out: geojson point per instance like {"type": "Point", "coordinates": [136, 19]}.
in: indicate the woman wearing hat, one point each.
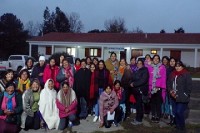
{"type": "Point", "coordinates": [10, 109]}
{"type": "Point", "coordinates": [179, 87]}
{"type": "Point", "coordinates": [38, 70]}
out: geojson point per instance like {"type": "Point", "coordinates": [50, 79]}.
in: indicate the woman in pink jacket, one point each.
{"type": "Point", "coordinates": [66, 103]}
{"type": "Point", "coordinates": [157, 86]}
{"type": "Point", "coordinates": [50, 72]}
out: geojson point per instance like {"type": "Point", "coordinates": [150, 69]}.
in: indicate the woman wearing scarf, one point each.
{"type": "Point", "coordinates": [122, 67]}
{"type": "Point", "coordinates": [66, 73]}
{"type": "Point", "coordinates": [121, 97]}
{"type": "Point", "coordinates": [77, 64]}
{"type": "Point", "coordinates": [50, 72]}
{"type": "Point", "coordinates": [157, 86]}
{"type": "Point", "coordinates": [23, 81]}
{"type": "Point", "coordinates": [179, 86]}
{"type": "Point", "coordinates": [139, 84]}
{"type": "Point", "coordinates": [66, 103]}
{"type": "Point", "coordinates": [8, 77]}
{"type": "Point", "coordinates": [47, 105]}
{"type": "Point", "coordinates": [31, 97]}
{"type": "Point", "coordinates": [108, 104]}
{"type": "Point", "coordinates": [10, 109]}
{"type": "Point", "coordinates": [112, 65]}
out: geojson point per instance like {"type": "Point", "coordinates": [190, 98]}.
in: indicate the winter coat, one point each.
{"type": "Point", "coordinates": [183, 86]}
{"type": "Point", "coordinates": [17, 111]}
{"type": "Point", "coordinates": [140, 81]}
{"type": "Point", "coordinates": [161, 81]}
{"type": "Point", "coordinates": [112, 67]}
{"type": "Point", "coordinates": [37, 69]}
{"type": "Point", "coordinates": [47, 75]}
{"type": "Point", "coordinates": [107, 103]}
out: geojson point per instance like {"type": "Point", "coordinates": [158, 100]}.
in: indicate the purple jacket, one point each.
{"type": "Point", "coordinates": [107, 103]}
{"type": "Point", "coordinates": [160, 81]}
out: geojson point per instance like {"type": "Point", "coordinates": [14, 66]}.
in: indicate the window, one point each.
{"type": "Point", "coordinates": [92, 52]}
{"type": "Point", "coordinates": [71, 51]}
{"type": "Point", "coordinates": [48, 50]}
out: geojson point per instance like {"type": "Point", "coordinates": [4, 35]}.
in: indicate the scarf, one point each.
{"type": "Point", "coordinates": [77, 67]}
{"type": "Point", "coordinates": [9, 103]}
{"type": "Point", "coordinates": [121, 69]}
{"type": "Point", "coordinates": [178, 73]}
{"type": "Point", "coordinates": [65, 98]}
{"type": "Point", "coordinates": [156, 74]}
{"type": "Point", "coordinates": [23, 85]}
{"type": "Point", "coordinates": [133, 67]}
{"type": "Point", "coordinates": [70, 79]}
{"type": "Point", "coordinates": [118, 93]}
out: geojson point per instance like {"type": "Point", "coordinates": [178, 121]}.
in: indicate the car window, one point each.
{"type": "Point", "coordinates": [15, 58]}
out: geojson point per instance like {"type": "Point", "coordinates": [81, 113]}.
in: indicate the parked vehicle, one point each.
{"type": "Point", "coordinates": [15, 62]}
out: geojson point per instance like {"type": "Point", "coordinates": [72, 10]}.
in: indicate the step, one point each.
{"type": "Point", "coordinates": [194, 103]}
{"type": "Point", "coordinates": [193, 115]}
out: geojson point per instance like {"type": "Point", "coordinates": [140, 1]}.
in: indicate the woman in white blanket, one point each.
{"type": "Point", "coordinates": [47, 105]}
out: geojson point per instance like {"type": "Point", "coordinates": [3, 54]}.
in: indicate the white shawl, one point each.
{"type": "Point", "coordinates": [48, 108]}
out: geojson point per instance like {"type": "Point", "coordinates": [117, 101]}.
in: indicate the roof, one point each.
{"type": "Point", "coordinates": [185, 38]}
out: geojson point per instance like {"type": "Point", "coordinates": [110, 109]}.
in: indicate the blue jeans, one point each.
{"type": "Point", "coordinates": [179, 114]}
{"type": "Point", "coordinates": [64, 121]}
{"type": "Point", "coordinates": [166, 106]}
{"type": "Point", "coordinates": [172, 106]}
{"type": "Point", "coordinates": [96, 106]}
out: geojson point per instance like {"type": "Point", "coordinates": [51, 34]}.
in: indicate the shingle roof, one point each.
{"type": "Point", "coordinates": [185, 38]}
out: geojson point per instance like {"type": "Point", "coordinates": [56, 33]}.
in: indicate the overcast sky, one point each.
{"type": "Point", "coordinates": [149, 15]}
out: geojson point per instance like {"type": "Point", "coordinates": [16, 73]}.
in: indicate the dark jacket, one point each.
{"type": "Point", "coordinates": [183, 86]}
{"type": "Point", "coordinates": [37, 69]}
{"type": "Point", "coordinates": [126, 78]}
{"type": "Point", "coordinates": [17, 111]}
{"type": "Point", "coordinates": [82, 83]}
{"type": "Point", "coordinates": [140, 81]}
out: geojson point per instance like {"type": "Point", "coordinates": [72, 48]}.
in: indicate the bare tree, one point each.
{"type": "Point", "coordinates": [33, 28]}
{"type": "Point", "coordinates": [115, 25]}
{"type": "Point", "coordinates": [76, 25]}
{"type": "Point", "coordinates": [137, 30]}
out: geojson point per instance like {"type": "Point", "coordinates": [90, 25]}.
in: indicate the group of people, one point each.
{"type": "Point", "coordinates": [56, 95]}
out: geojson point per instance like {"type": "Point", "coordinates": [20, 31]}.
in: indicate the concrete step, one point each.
{"type": "Point", "coordinates": [195, 86]}
{"type": "Point", "coordinates": [193, 116]}
{"type": "Point", "coordinates": [194, 103]}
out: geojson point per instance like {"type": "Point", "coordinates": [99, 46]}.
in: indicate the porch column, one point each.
{"type": "Point", "coordinates": [52, 49]}
{"type": "Point", "coordinates": [30, 49]}
{"type": "Point", "coordinates": [128, 54]}
{"type": "Point", "coordinates": [195, 57]}
{"type": "Point", "coordinates": [102, 53]}
{"type": "Point", "coordinates": [77, 51]}
{"type": "Point", "coordinates": [161, 52]}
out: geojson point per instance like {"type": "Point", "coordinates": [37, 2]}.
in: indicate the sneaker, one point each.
{"type": "Point", "coordinates": [70, 124]}
{"type": "Point", "coordinates": [115, 124]}
{"type": "Point", "coordinates": [99, 119]}
{"type": "Point", "coordinates": [135, 122]}
{"type": "Point", "coordinates": [95, 119]}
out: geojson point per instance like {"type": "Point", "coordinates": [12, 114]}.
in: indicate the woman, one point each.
{"type": "Point", "coordinates": [157, 86]}
{"type": "Point", "coordinates": [121, 97]}
{"type": "Point", "coordinates": [95, 60]}
{"type": "Point", "coordinates": [108, 104]}
{"type": "Point", "coordinates": [23, 81]}
{"type": "Point", "coordinates": [50, 72]}
{"type": "Point", "coordinates": [112, 65]}
{"type": "Point", "coordinates": [61, 59]}
{"type": "Point", "coordinates": [38, 70]}
{"type": "Point", "coordinates": [139, 84]}
{"type": "Point", "coordinates": [148, 60]}
{"type": "Point", "coordinates": [77, 65]}
{"type": "Point", "coordinates": [66, 73]}
{"type": "Point", "coordinates": [10, 109]}
{"type": "Point", "coordinates": [66, 103]}
{"type": "Point", "coordinates": [172, 101]}
{"type": "Point", "coordinates": [93, 87]}
{"type": "Point", "coordinates": [122, 66]}
{"type": "Point", "coordinates": [8, 77]}
{"type": "Point", "coordinates": [165, 105]}
{"type": "Point", "coordinates": [47, 105]}
{"type": "Point", "coordinates": [31, 98]}
{"type": "Point", "coordinates": [88, 62]}
{"type": "Point", "coordinates": [104, 79]}
{"type": "Point", "coordinates": [179, 86]}
{"type": "Point", "coordinates": [29, 65]}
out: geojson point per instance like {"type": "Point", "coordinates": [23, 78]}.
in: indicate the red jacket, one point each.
{"type": "Point", "coordinates": [48, 75]}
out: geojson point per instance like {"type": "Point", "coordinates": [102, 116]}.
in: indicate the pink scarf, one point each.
{"type": "Point", "coordinates": [70, 79]}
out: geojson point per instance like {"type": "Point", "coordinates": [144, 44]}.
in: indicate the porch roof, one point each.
{"type": "Point", "coordinates": [165, 38]}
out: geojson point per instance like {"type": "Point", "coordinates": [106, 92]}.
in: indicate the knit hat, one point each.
{"type": "Point", "coordinates": [42, 58]}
